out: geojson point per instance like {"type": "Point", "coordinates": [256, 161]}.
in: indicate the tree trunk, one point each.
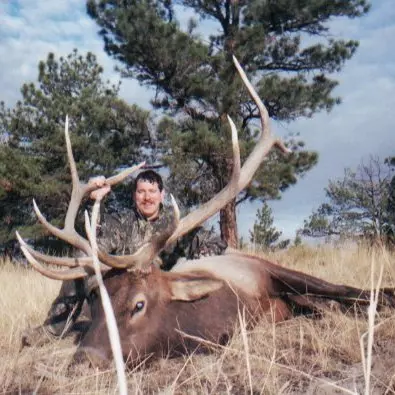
{"type": "Point", "coordinates": [228, 224]}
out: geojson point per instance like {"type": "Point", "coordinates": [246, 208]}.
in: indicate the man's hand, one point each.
{"type": "Point", "coordinates": [101, 188]}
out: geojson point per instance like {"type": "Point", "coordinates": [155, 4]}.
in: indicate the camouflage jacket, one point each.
{"type": "Point", "coordinates": [124, 232]}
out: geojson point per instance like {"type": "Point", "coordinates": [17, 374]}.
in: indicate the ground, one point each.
{"type": "Point", "coordinates": [299, 356]}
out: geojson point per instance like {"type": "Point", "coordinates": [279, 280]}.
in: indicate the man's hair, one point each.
{"type": "Point", "coordinates": [150, 176]}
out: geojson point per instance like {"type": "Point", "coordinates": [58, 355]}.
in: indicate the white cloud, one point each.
{"type": "Point", "coordinates": [32, 29]}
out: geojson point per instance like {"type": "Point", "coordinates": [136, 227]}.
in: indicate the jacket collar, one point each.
{"type": "Point", "coordinates": [141, 216]}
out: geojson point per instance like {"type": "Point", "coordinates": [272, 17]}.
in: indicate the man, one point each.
{"type": "Point", "coordinates": [123, 233]}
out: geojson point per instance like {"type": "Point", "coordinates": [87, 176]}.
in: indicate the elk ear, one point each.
{"type": "Point", "coordinates": [190, 288]}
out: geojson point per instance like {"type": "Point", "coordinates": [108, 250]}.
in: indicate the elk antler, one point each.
{"type": "Point", "coordinates": [81, 267]}
{"type": "Point", "coordinates": [261, 149]}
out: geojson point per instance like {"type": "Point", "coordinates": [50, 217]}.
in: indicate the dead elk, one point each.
{"type": "Point", "coordinates": [168, 313]}
{"type": "Point", "coordinates": [165, 314]}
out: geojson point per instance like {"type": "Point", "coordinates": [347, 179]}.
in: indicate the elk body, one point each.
{"type": "Point", "coordinates": [169, 313]}
{"type": "Point", "coordinates": [165, 314]}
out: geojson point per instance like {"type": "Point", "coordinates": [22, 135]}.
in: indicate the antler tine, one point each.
{"type": "Point", "coordinates": [54, 260]}
{"type": "Point", "coordinates": [123, 174]}
{"type": "Point", "coordinates": [244, 176]}
{"type": "Point", "coordinates": [68, 233]}
{"type": "Point", "coordinates": [71, 236]}
{"type": "Point", "coordinates": [265, 121]}
{"type": "Point", "coordinates": [211, 207]}
{"type": "Point", "coordinates": [266, 141]}
{"type": "Point", "coordinates": [70, 274]}
{"type": "Point", "coordinates": [79, 190]}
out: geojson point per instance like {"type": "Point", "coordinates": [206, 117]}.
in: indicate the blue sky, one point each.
{"type": "Point", "coordinates": [361, 126]}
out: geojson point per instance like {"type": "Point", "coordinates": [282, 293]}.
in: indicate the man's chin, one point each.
{"type": "Point", "coordinates": [149, 213]}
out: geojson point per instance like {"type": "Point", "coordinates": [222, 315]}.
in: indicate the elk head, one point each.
{"type": "Point", "coordinates": [150, 307]}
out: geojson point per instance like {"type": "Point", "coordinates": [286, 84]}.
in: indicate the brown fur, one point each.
{"type": "Point", "coordinates": [196, 301]}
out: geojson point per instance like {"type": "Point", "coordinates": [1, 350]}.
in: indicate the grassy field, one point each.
{"type": "Point", "coordinates": [300, 356]}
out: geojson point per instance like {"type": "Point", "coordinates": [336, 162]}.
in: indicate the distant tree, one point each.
{"type": "Point", "coordinates": [359, 205]}
{"type": "Point", "coordinates": [242, 244]}
{"type": "Point", "coordinates": [298, 240]}
{"type": "Point", "coordinates": [263, 233]}
{"type": "Point", "coordinates": [105, 131]}
{"type": "Point", "coordinates": [390, 230]}
{"type": "Point", "coordinates": [286, 50]}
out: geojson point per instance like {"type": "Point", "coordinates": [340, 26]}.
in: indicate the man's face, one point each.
{"type": "Point", "coordinates": [148, 198]}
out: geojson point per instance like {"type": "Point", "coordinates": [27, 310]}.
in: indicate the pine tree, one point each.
{"type": "Point", "coordinates": [298, 240]}
{"type": "Point", "coordinates": [390, 228]}
{"type": "Point", "coordinates": [358, 205]}
{"type": "Point", "coordinates": [105, 132]}
{"type": "Point", "coordinates": [285, 49]}
{"type": "Point", "coordinates": [263, 233]}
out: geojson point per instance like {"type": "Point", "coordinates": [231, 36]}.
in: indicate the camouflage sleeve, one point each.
{"type": "Point", "coordinates": [117, 233]}
{"type": "Point", "coordinates": [106, 233]}
{"type": "Point", "coordinates": [202, 242]}
{"type": "Point", "coordinates": [125, 232]}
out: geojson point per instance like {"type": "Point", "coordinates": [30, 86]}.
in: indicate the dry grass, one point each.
{"type": "Point", "coordinates": [300, 356]}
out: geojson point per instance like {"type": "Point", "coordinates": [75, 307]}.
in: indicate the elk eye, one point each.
{"type": "Point", "coordinates": [138, 307]}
